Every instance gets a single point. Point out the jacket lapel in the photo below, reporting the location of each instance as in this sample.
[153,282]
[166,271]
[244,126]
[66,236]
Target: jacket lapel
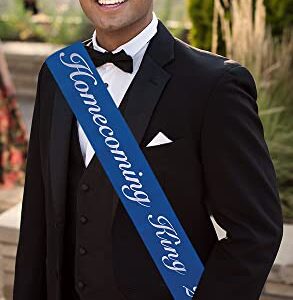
[149,82]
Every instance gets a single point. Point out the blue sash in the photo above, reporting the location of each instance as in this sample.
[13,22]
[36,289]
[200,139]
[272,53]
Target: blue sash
[127,169]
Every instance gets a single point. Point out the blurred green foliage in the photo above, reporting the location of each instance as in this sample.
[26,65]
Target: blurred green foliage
[275,102]
[58,27]
[15,23]
[279,16]
[201,16]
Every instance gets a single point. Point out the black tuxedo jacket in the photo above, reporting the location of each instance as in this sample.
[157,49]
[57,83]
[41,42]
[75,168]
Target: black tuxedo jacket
[218,164]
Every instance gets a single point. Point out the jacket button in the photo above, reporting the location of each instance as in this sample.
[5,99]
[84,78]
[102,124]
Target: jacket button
[84,187]
[83,219]
[81,285]
[106,84]
[82,251]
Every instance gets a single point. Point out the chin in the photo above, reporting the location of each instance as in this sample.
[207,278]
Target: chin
[109,26]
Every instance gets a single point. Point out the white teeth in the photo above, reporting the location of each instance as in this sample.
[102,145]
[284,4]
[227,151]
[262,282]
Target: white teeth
[110,2]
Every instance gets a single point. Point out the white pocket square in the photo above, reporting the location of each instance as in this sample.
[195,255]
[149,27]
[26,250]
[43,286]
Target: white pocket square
[159,139]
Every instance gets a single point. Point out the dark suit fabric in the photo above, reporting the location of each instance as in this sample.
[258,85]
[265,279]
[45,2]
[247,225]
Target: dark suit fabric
[75,172]
[218,164]
[87,233]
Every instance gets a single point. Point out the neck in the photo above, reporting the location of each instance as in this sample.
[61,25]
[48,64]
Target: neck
[112,40]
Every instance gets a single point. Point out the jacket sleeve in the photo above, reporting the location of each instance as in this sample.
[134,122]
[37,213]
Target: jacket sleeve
[30,273]
[241,191]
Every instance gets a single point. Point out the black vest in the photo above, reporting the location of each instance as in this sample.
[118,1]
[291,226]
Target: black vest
[87,259]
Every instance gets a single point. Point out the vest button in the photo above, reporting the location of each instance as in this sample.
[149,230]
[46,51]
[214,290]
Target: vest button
[83,219]
[81,285]
[82,251]
[84,187]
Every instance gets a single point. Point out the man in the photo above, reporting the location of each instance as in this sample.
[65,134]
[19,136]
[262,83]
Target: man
[194,115]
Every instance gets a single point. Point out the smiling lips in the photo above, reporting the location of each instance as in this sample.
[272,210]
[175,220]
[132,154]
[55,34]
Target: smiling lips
[110,3]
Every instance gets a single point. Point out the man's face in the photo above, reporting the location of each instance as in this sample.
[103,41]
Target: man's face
[113,15]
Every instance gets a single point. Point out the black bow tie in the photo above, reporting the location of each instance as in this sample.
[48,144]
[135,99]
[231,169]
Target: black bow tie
[119,59]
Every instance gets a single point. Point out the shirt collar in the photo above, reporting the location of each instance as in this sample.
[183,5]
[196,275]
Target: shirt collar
[133,46]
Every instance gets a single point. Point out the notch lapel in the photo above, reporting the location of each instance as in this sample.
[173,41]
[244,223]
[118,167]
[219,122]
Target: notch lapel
[144,96]
[149,82]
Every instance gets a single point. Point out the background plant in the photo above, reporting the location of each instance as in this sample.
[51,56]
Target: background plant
[201,16]
[279,16]
[16,24]
[59,25]
[249,41]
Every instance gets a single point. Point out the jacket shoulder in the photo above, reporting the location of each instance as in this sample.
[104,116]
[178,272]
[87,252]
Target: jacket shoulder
[209,66]
[195,58]
[45,78]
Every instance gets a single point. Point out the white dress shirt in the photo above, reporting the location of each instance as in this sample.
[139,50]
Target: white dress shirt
[117,80]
